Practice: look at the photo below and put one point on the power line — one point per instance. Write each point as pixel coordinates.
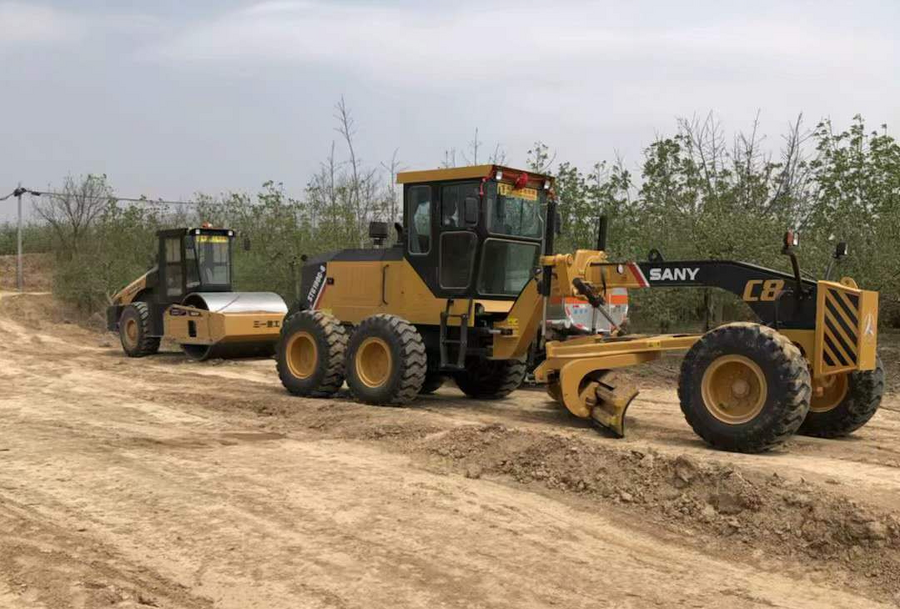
(118, 198)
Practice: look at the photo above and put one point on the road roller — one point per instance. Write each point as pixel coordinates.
(187, 298)
(467, 292)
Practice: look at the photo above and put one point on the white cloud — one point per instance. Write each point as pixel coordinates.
(29, 23)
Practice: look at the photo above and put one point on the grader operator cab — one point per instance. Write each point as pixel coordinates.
(187, 298)
(465, 293)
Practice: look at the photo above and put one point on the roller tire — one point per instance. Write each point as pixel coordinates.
(486, 379)
(330, 339)
(863, 398)
(408, 361)
(433, 382)
(144, 344)
(788, 388)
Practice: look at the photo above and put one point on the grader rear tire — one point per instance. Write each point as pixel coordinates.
(433, 382)
(134, 331)
(386, 361)
(854, 400)
(487, 379)
(744, 388)
(310, 354)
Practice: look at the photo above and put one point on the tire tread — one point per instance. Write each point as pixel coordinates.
(789, 367)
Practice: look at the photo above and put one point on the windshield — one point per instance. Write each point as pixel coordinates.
(515, 212)
(209, 259)
(506, 266)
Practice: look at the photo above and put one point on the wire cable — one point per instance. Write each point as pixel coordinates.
(50, 193)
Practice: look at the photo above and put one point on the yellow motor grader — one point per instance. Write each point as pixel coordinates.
(464, 294)
(187, 298)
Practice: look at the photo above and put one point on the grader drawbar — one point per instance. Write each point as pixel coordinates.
(465, 292)
(187, 298)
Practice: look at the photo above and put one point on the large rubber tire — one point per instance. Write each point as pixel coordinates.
(310, 354)
(776, 408)
(487, 379)
(386, 361)
(433, 382)
(134, 331)
(861, 402)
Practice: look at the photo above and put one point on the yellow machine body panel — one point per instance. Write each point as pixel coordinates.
(193, 326)
(846, 329)
(126, 295)
(355, 290)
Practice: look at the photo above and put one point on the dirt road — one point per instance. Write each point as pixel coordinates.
(163, 483)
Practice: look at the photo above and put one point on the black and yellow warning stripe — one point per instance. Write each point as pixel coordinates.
(841, 329)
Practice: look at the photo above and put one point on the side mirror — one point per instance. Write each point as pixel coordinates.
(378, 232)
(471, 211)
(840, 250)
(246, 244)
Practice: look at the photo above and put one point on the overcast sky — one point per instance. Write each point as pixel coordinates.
(172, 97)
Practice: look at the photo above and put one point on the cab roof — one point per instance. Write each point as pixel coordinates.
(467, 173)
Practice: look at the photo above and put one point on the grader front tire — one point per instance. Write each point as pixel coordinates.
(744, 388)
(854, 402)
(310, 354)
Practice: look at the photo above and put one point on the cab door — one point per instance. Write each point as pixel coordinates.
(171, 267)
(441, 239)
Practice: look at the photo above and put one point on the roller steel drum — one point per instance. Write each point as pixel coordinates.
(230, 303)
(237, 302)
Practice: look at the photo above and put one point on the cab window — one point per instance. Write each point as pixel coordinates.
(506, 266)
(516, 213)
(457, 255)
(173, 267)
(418, 213)
(213, 254)
(453, 204)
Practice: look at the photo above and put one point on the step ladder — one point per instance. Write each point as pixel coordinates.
(461, 342)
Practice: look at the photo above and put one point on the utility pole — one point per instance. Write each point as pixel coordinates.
(20, 272)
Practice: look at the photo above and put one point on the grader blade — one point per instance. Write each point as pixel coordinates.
(609, 395)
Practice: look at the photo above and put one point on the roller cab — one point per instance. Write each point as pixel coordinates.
(187, 297)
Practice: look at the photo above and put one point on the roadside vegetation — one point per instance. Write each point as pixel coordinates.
(697, 193)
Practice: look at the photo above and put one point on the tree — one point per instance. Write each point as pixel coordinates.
(73, 209)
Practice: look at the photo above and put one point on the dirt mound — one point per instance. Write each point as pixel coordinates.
(39, 313)
(37, 272)
(889, 351)
(34, 311)
(726, 505)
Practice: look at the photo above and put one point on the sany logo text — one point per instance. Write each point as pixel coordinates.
(677, 274)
